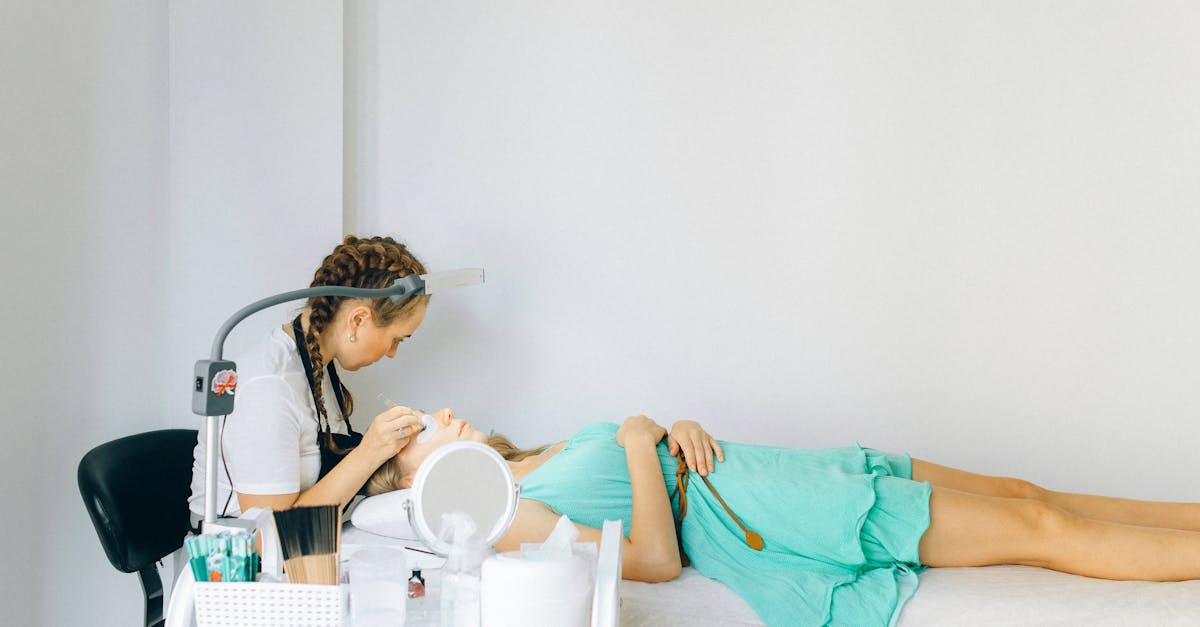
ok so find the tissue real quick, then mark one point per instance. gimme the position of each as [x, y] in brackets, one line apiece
[557, 545]
[551, 583]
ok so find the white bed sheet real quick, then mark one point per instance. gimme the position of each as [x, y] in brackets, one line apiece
[993, 596]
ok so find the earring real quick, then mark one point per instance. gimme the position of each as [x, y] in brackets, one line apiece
[353, 338]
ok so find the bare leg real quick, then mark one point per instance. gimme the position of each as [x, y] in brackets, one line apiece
[1126, 511]
[975, 530]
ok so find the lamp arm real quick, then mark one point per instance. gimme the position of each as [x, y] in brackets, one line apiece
[405, 287]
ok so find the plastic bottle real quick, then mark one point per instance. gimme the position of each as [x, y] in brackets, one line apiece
[460, 575]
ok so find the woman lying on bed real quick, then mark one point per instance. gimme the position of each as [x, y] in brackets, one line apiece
[843, 531]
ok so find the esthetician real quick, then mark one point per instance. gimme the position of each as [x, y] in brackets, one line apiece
[289, 441]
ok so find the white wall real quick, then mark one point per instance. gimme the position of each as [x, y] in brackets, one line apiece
[83, 189]
[960, 229]
[155, 256]
[966, 230]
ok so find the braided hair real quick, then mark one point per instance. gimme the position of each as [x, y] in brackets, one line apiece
[373, 263]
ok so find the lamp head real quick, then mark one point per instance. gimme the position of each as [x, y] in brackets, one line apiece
[406, 287]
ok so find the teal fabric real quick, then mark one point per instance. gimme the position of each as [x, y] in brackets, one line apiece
[841, 525]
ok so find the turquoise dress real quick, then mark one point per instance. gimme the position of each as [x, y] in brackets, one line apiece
[841, 525]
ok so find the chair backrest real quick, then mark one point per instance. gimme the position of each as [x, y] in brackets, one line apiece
[136, 491]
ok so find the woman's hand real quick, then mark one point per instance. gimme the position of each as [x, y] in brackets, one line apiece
[389, 432]
[697, 445]
[638, 427]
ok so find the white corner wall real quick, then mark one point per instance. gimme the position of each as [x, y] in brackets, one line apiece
[965, 230]
[120, 267]
[83, 118]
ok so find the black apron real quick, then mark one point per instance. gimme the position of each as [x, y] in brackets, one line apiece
[329, 457]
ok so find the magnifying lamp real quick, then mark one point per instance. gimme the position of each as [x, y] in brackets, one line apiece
[215, 383]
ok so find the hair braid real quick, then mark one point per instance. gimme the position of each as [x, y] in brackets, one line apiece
[316, 324]
[374, 263]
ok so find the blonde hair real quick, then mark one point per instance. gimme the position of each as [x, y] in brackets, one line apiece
[391, 475]
[509, 451]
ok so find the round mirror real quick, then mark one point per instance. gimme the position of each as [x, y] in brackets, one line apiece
[464, 477]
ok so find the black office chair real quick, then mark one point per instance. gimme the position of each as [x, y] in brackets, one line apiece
[136, 491]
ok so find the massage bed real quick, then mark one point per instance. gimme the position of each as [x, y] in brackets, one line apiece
[979, 597]
[992, 596]
[988, 596]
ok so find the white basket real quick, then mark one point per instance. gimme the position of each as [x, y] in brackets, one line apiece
[246, 604]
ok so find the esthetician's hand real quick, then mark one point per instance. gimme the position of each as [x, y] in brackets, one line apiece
[639, 427]
[697, 445]
[389, 432]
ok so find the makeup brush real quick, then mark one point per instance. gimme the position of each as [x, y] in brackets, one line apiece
[309, 538]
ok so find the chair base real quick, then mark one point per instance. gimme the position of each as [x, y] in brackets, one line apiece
[153, 588]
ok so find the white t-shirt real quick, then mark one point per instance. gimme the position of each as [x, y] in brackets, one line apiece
[270, 439]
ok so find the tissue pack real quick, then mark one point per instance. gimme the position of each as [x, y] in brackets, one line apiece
[518, 591]
[548, 584]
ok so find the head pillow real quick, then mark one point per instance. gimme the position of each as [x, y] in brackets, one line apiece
[384, 515]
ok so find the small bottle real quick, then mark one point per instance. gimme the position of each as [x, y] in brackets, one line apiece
[416, 585]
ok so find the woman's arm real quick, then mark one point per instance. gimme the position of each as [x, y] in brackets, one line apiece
[652, 542]
[388, 433]
[337, 487]
[651, 552]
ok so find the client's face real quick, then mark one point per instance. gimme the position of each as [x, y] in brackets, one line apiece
[450, 429]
